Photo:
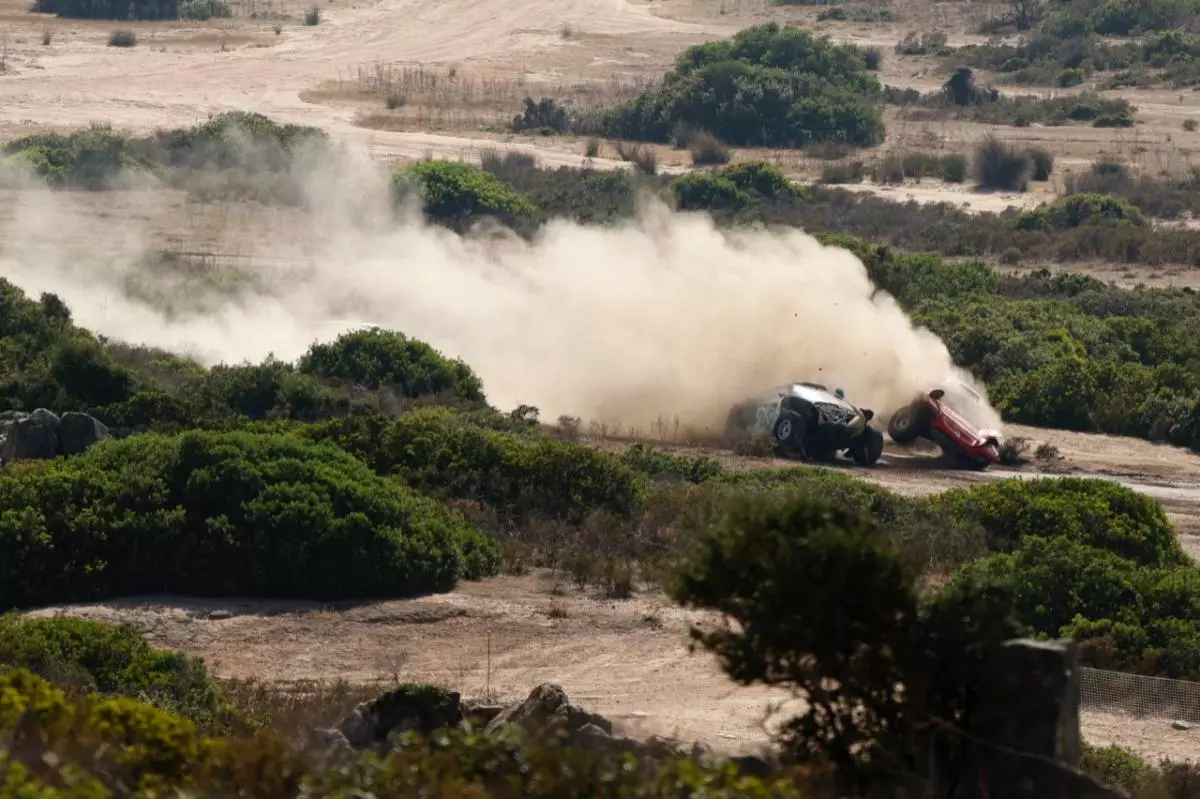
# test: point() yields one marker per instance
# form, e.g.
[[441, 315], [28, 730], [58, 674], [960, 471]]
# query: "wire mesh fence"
[[1139, 695]]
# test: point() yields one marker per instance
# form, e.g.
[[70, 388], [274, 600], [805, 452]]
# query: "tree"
[[815, 598]]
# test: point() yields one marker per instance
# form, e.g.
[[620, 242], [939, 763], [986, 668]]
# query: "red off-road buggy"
[[931, 417]]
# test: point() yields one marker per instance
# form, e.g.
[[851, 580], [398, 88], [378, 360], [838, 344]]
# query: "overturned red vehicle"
[[931, 417]]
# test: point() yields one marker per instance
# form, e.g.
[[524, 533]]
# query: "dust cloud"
[[664, 318]]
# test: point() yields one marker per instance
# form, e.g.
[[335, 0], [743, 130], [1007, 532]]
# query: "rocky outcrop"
[[415, 708], [42, 435], [78, 432]]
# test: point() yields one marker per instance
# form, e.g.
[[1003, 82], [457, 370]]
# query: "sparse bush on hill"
[[999, 165], [219, 514], [767, 86], [961, 99]]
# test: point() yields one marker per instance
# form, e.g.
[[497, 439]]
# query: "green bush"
[[775, 567], [113, 661], [1091, 560], [93, 158], [735, 189], [222, 514], [767, 86], [1096, 513], [239, 140], [1079, 210], [455, 194], [452, 455], [378, 358]]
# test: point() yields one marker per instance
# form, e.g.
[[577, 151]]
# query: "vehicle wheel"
[[790, 430], [908, 424], [867, 447]]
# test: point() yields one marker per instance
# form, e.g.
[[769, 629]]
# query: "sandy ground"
[[265, 59], [499, 638]]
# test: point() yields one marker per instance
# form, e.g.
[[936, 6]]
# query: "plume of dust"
[[665, 316]]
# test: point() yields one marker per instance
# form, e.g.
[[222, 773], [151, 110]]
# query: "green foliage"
[[109, 748], [111, 9], [1096, 513], [774, 566], [111, 660], [455, 194], [133, 745], [1081, 209], [238, 140], [1043, 163], [234, 154], [736, 191], [451, 455], [45, 361], [1092, 560], [1116, 766], [767, 86], [93, 158], [386, 359], [222, 514]]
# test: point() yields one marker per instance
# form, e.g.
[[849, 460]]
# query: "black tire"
[[868, 447], [909, 423], [790, 430]]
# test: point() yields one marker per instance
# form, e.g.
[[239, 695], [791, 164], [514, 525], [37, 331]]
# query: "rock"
[[752, 766], [480, 715], [420, 708], [330, 739], [33, 438], [1182, 725], [702, 754], [544, 711], [79, 431]]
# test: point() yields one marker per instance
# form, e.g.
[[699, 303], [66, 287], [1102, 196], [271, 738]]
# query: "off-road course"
[[627, 659]]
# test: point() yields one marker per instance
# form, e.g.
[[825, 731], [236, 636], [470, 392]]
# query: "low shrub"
[[456, 194], [1043, 163], [1001, 166], [117, 747], [114, 661], [478, 457], [378, 358], [93, 158], [1081, 209], [707, 149], [222, 514]]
